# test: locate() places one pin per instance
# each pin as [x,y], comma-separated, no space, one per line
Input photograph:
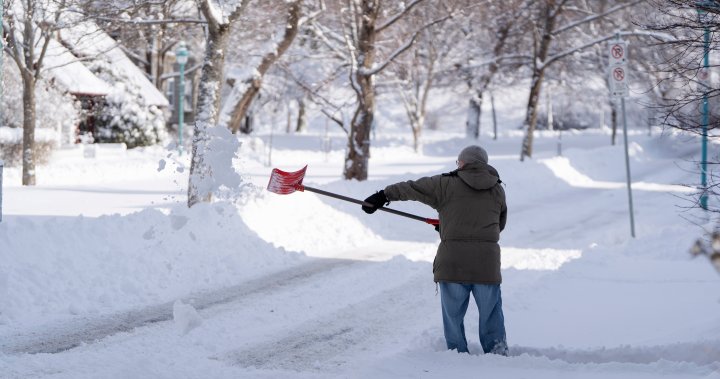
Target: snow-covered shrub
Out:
[11,145]
[126,117]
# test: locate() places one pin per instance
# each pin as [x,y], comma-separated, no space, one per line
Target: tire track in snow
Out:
[320,344]
[68,335]
[702,353]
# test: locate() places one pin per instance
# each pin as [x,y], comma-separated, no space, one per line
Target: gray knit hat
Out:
[473,154]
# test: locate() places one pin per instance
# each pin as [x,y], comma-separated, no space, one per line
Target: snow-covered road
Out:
[303,286]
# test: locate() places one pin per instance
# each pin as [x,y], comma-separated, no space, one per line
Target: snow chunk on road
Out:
[185,317]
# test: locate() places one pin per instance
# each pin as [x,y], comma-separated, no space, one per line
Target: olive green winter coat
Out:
[472,209]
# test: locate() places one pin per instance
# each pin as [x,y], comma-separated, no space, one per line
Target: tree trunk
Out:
[539,66]
[28,155]
[208,106]
[531,115]
[358,152]
[302,117]
[472,125]
[492,105]
[417,132]
[356,162]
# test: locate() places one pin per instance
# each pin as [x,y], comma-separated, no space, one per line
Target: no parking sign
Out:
[618,69]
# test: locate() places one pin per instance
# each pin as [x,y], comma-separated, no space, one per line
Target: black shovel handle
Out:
[430,221]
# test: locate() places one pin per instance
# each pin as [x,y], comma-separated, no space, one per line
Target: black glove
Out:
[377,199]
[437,228]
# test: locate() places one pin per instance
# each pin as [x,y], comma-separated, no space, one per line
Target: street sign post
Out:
[618,69]
[705,18]
[619,88]
[1,187]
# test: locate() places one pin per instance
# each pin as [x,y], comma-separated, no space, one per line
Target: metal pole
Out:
[627,169]
[2,85]
[2,50]
[1,182]
[492,104]
[181,112]
[705,121]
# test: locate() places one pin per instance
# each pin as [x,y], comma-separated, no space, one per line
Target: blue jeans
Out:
[455,297]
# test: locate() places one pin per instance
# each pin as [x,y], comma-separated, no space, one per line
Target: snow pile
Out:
[55,267]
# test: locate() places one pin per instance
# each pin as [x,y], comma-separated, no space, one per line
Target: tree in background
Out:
[367,49]
[488,34]
[219,17]
[686,89]
[414,74]
[147,30]
[29,26]
[250,89]
[552,19]
[57,111]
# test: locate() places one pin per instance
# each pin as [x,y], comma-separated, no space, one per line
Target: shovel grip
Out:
[430,221]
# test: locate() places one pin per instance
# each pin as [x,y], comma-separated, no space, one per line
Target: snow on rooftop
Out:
[71,74]
[88,40]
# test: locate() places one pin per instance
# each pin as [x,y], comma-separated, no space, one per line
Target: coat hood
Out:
[479,176]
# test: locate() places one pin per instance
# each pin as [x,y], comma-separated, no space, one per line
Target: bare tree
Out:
[688,98]
[219,18]
[416,78]
[367,52]
[546,30]
[416,73]
[29,26]
[495,27]
[252,88]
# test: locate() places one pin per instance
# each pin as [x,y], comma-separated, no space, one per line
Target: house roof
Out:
[70,74]
[87,39]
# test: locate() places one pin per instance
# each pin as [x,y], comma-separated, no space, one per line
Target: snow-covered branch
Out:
[335,119]
[222,14]
[636,33]
[595,17]
[399,15]
[152,22]
[400,50]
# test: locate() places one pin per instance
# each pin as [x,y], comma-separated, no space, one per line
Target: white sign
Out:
[618,82]
[618,53]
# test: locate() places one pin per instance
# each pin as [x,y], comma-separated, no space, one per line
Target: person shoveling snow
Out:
[473,212]
[471,204]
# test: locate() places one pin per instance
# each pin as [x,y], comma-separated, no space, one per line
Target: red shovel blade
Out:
[284,183]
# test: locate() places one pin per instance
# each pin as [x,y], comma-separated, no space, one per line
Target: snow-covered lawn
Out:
[104,273]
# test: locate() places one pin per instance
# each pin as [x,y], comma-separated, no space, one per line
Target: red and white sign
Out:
[617,57]
[618,53]
[618,82]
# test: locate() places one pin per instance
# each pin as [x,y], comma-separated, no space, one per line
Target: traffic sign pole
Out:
[619,89]
[705,121]
[627,170]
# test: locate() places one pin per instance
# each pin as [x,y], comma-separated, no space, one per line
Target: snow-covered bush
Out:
[11,145]
[126,116]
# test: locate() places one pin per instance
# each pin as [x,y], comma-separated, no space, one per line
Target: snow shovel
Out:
[285,183]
